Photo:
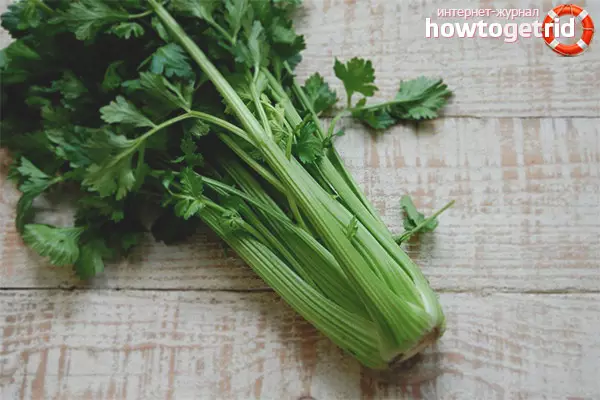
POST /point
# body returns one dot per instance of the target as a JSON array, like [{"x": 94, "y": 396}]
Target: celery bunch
[{"x": 192, "y": 108}]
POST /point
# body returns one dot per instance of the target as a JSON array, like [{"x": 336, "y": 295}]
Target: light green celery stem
[
  {"x": 266, "y": 234},
  {"x": 317, "y": 205},
  {"x": 357, "y": 202},
  {"x": 262, "y": 171},
  {"x": 304, "y": 263},
  {"x": 373, "y": 223},
  {"x": 333, "y": 155},
  {"x": 267, "y": 128},
  {"x": 319, "y": 263},
  {"x": 349, "y": 331}
]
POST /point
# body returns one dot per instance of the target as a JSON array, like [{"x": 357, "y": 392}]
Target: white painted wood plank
[
  {"x": 490, "y": 77},
  {"x": 165, "y": 345},
  {"x": 527, "y": 215}
]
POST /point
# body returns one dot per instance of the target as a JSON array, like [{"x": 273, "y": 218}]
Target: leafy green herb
[
  {"x": 190, "y": 110},
  {"x": 320, "y": 96},
  {"x": 415, "y": 222},
  {"x": 358, "y": 76},
  {"x": 127, "y": 30},
  {"x": 60, "y": 245}
]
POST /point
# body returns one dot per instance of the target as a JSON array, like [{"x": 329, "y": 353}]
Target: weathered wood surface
[
  {"x": 490, "y": 77},
  {"x": 527, "y": 216},
  {"x": 527, "y": 219},
  {"x": 185, "y": 345}
]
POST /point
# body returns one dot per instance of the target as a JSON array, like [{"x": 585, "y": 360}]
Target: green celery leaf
[
  {"x": 255, "y": 50},
  {"x": 112, "y": 79},
  {"x": 413, "y": 217},
  {"x": 192, "y": 183},
  {"x": 170, "y": 60},
  {"x": 160, "y": 29},
  {"x": 420, "y": 98},
  {"x": 308, "y": 147},
  {"x": 190, "y": 155},
  {"x": 59, "y": 244},
  {"x": 196, "y": 127},
  {"x": 98, "y": 206},
  {"x": 22, "y": 15},
  {"x": 112, "y": 172},
  {"x": 377, "y": 118},
  {"x": 20, "y": 50},
  {"x": 199, "y": 9},
  {"x": 86, "y": 18},
  {"x": 34, "y": 182},
  {"x": 91, "y": 259},
  {"x": 236, "y": 11},
  {"x": 357, "y": 75},
  {"x": 187, "y": 208},
  {"x": 121, "y": 111},
  {"x": 126, "y": 30},
  {"x": 319, "y": 94},
  {"x": 172, "y": 95},
  {"x": 32, "y": 176}
]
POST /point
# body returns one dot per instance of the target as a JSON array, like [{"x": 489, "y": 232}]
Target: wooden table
[{"x": 515, "y": 261}]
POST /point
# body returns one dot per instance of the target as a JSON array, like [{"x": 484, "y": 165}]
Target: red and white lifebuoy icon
[{"x": 582, "y": 16}]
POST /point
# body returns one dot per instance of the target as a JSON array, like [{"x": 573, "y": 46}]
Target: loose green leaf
[
  {"x": 170, "y": 60},
  {"x": 236, "y": 10},
  {"x": 357, "y": 75},
  {"x": 420, "y": 98},
  {"x": 160, "y": 29},
  {"x": 112, "y": 173},
  {"x": 377, "y": 118},
  {"x": 319, "y": 94},
  {"x": 112, "y": 78},
  {"x": 87, "y": 17},
  {"x": 34, "y": 182},
  {"x": 308, "y": 147},
  {"x": 120, "y": 111},
  {"x": 352, "y": 228},
  {"x": 203, "y": 9},
  {"x": 190, "y": 151},
  {"x": 172, "y": 95},
  {"x": 413, "y": 217},
  {"x": 196, "y": 127},
  {"x": 91, "y": 259},
  {"x": 126, "y": 30},
  {"x": 192, "y": 183},
  {"x": 22, "y": 15},
  {"x": 60, "y": 245}
]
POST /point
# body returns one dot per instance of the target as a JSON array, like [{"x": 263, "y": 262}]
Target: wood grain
[
  {"x": 490, "y": 77},
  {"x": 527, "y": 216},
  {"x": 182, "y": 326},
  {"x": 168, "y": 345}
]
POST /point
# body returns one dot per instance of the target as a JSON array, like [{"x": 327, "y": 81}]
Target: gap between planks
[{"x": 266, "y": 289}]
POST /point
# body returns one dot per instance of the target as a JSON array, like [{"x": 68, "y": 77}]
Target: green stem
[
  {"x": 222, "y": 31},
  {"x": 334, "y": 121},
  {"x": 252, "y": 163},
  {"x": 223, "y": 124},
  {"x": 406, "y": 235},
  {"x": 44, "y": 6},
  {"x": 248, "y": 120},
  {"x": 140, "y": 15}
]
